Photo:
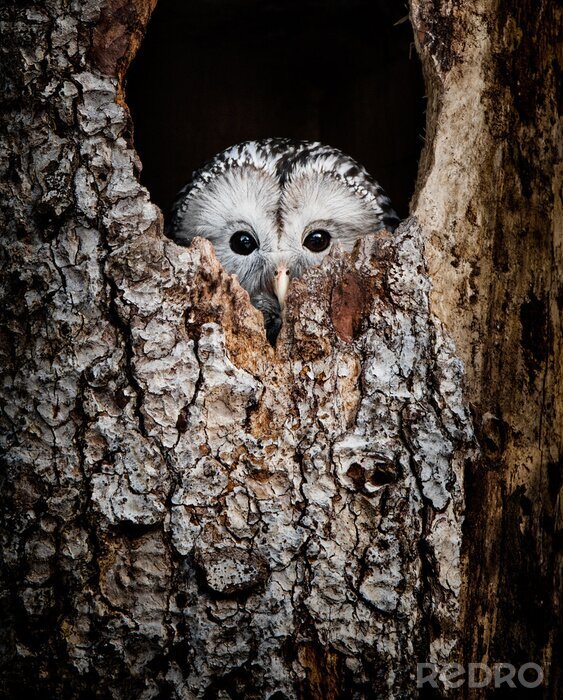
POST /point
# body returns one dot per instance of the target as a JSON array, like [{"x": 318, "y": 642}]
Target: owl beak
[{"x": 281, "y": 283}]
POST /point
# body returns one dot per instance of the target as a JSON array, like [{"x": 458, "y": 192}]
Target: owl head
[{"x": 275, "y": 207}]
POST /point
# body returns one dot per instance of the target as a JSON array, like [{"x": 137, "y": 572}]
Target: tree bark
[
  {"x": 189, "y": 513},
  {"x": 490, "y": 205}
]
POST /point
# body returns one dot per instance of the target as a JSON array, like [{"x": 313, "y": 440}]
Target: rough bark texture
[
  {"x": 490, "y": 206},
  {"x": 189, "y": 513}
]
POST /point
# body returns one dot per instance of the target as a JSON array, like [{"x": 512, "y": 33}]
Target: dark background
[{"x": 211, "y": 73}]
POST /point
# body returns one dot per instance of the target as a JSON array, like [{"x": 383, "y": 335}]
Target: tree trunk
[
  {"x": 189, "y": 513},
  {"x": 490, "y": 206}
]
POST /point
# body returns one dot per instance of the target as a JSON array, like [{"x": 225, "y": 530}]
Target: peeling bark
[{"x": 189, "y": 513}]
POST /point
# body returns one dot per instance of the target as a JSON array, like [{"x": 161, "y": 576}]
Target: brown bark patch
[
  {"x": 324, "y": 672},
  {"x": 349, "y": 305},
  {"x": 117, "y": 35}
]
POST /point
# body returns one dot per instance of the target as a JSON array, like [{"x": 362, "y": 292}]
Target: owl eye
[
  {"x": 317, "y": 241},
  {"x": 243, "y": 243}
]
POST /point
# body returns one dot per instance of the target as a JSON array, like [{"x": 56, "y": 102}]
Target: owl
[{"x": 275, "y": 207}]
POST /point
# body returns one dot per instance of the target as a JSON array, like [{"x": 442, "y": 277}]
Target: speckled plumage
[{"x": 279, "y": 191}]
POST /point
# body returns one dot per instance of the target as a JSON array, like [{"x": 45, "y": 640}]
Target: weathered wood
[
  {"x": 189, "y": 513},
  {"x": 489, "y": 203}
]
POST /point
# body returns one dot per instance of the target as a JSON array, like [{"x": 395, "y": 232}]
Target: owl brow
[{"x": 288, "y": 162}]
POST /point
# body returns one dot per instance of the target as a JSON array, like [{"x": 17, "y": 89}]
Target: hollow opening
[{"x": 212, "y": 73}]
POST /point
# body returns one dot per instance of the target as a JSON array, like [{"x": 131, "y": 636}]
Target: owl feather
[{"x": 275, "y": 207}]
